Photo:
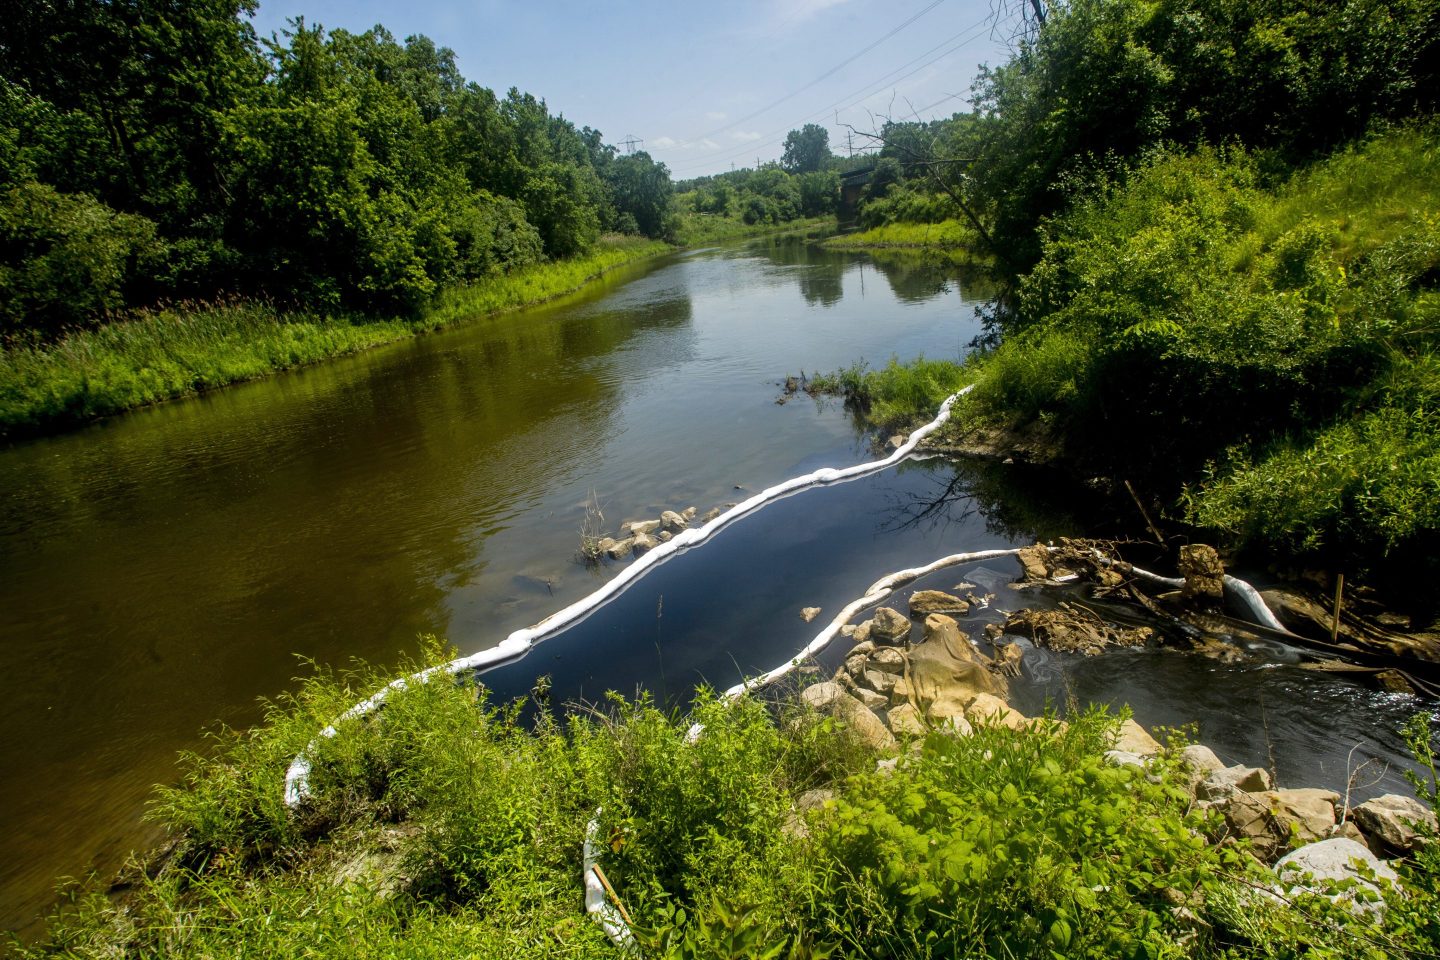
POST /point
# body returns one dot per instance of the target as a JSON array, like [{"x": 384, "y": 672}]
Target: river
[{"x": 162, "y": 571}]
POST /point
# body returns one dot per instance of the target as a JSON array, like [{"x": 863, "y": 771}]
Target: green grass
[
  {"x": 896, "y": 394},
  {"x": 444, "y": 826},
  {"x": 697, "y": 229},
  {"x": 159, "y": 355},
  {"x": 947, "y": 235}
]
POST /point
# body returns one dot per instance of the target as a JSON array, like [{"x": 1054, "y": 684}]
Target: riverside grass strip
[{"x": 158, "y": 355}]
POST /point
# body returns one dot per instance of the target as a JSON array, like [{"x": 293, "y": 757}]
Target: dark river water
[{"x": 162, "y": 571}]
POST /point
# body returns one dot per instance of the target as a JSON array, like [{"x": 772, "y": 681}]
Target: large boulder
[
  {"x": 1274, "y": 820},
  {"x": 1225, "y": 782},
  {"x": 925, "y": 602},
  {"x": 1321, "y": 867},
  {"x": 835, "y": 700},
  {"x": 645, "y": 543},
  {"x": 905, "y": 721},
  {"x": 887, "y": 660},
  {"x": 889, "y": 627},
  {"x": 1391, "y": 820},
  {"x": 673, "y": 522},
  {"x": 621, "y": 549},
  {"x": 1201, "y": 759},
  {"x": 1134, "y": 738},
  {"x": 640, "y": 526}
]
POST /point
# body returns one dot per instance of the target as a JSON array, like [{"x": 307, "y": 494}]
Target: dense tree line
[
  {"x": 1106, "y": 84},
  {"x": 152, "y": 150},
  {"x": 805, "y": 183}
]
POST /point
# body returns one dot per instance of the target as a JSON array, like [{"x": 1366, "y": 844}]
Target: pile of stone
[
  {"x": 889, "y": 686},
  {"x": 641, "y": 536}
]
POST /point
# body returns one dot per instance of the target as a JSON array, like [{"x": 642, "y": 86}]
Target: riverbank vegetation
[
  {"x": 159, "y": 354},
  {"x": 155, "y": 156},
  {"x": 1222, "y": 282},
  {"x": 446, "y": 824}
]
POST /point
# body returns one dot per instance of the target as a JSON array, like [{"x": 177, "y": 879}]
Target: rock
[
  {"x": 897, "y": 441},
  {"x": 855, "y": 664},
  {"x": 870, "y": 698},
  {"x": 666, "y": 536},
  {"x": 862, "y": 633},
  {"x": 1124, "y": 758},
  {"x": 710, "y": 514},
  {"x": 604, "y": 544},
  {"x": 1226, "y": 781},
  {"x": 901, "y": 692},
  {"x": 925, "y": 602},
  {"x": 945, "y": 673},
  {"x": 809, "y": 613},
  {"x": 833, "y": 699},
  {"x": 1348, "y": 830},
  {"x": 864, "y": 648},
  {"x": 987, "y": 708},
  {"x": 1391, "y": 821},
  {"x": 1035, "y": 561},
  {"x": 621, "y": 549},
  {"x": 887, "y": 660},
  {"x": 1319, "y": 867},
  {"x": 688, "y": 514},
  {"x": 1201, "y": 760},
  {"x": 794, "y": 825},
  {"x": 879, "y": 681},
  {"x": 955, "y": 726},
  {"x": 1136, "y": 739},
  {"x": 889, "y": 627},
  {"x": 644, "y": 542},
  {"x": 640, "y": 526},
  {"x": 848, "y": 630},
  {"x": 1203, "y": 572},
  {"x": 673, "y": 522},
  {"x": 1275, "y": 819},
  {"x": 905, "y": 721}
]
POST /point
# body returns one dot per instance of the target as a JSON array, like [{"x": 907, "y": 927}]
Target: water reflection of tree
[
  {"x": 1018, "y": 502},
  {"x": 919, "y": 275}
]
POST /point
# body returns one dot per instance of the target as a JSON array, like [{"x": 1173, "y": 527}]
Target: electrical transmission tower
[{"x": 630, "y": 143}]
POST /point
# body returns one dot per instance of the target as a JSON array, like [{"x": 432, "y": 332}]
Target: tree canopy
[{"x": 152, "y": 150}]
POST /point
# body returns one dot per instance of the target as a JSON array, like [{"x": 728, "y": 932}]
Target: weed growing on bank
[
  {"x": 157, "y": 355},
  {"x": 448, "y": 825}
]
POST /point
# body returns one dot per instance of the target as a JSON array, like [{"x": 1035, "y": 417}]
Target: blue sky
[{"x": 703, "y": 85}]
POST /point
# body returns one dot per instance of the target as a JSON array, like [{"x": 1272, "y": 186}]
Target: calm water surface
[{"x": 160, "y": 572}]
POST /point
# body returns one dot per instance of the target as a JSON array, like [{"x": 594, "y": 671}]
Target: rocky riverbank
[{"x": 906, "y": 677}]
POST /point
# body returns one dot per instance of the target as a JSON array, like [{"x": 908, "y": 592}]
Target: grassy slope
[
  {"x": 704, "y": 228},
  {"x": 442, "y": 827},
  {"x": 163, "y": 354},
  {"x": 948, "y": 235},
  {"x": 1273, "y": 348}
]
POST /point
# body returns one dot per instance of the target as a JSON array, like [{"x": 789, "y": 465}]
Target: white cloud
[
  {"x": 663, "y": 143},
  {"x": 715, "y": 116},
  {"x": 746, "y": 136}
]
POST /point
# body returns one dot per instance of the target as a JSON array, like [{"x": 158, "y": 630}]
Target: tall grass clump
[
  {"x": 896, "y": 393},
  {"x": 151, "y": 356}
]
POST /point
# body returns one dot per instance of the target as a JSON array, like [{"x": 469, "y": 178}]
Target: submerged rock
[
  {"x": 620, "y": 549},
  {"x": 673, "y": 522},
  {"x": 640, "y": 526},
  {"x": 644, "y": 543},
  {"x": 809, "y": 613}
]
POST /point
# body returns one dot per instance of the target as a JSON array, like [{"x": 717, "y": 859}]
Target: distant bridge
[{"x": 853, "y": 184}]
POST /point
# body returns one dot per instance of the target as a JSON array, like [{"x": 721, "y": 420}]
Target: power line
[
  {"x": 969, "y": 35},
  {"x": 824, "y": 76}
]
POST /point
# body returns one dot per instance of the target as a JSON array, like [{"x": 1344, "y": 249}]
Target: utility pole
[
  {"x": 630, "y": 142},
  {"x": 849, "y": 145}
]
